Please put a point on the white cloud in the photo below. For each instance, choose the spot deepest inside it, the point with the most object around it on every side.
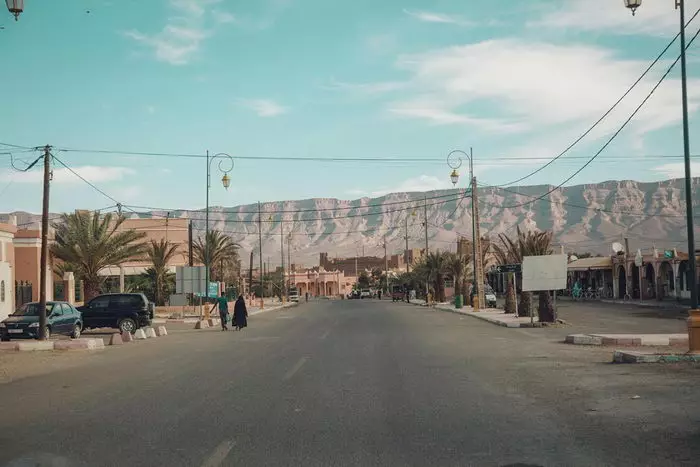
(430, 17)
(421, 183)
(533, 84)
(677, 169)
(380, 87)
(94, 174)
(181, 38)
(223, 17)
(656, 17)
(264, 107)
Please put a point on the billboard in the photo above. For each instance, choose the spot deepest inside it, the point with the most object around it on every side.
(547, 272)
(190, 279)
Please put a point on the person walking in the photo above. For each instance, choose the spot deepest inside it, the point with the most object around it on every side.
(222, 303)
(240, 314)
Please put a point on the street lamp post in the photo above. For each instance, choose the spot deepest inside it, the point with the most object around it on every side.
(454, 160)
(695, 315)
(225, 166)
(16, 7)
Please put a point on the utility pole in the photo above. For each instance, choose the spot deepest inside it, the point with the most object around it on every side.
(262, 286)
(190, 252)
(250, 271)
(289, 257)
(405, 255)
(167, 218)
(386, 266)
(425, 223)
(478, 266)
(284, 283)
(44, 243)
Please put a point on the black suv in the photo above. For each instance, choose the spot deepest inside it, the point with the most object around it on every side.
(126, 311)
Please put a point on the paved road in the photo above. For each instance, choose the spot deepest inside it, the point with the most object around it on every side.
(355, 383)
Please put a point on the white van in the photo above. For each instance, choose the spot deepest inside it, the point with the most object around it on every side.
(293, 294)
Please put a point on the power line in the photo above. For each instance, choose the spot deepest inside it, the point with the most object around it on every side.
(610, 140)
(85, 180)
(656, 60)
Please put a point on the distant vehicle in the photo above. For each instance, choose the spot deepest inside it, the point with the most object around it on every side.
(293, 294)
(61, 318)
(397, 293)
(366, 293)
(489, 296)
(125, 311)
(355, 294)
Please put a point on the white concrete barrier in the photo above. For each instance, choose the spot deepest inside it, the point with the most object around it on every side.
(127, 337)
(12, 346)
(201, 324)
(116, 339)
(79, 344)
(161, 331)
(139, 334)
(150, 332)
(30, 346)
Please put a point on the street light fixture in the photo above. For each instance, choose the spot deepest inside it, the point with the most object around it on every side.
(633, 5)
(454, 160)
(694, 320)
(15, 7)
(225, 166)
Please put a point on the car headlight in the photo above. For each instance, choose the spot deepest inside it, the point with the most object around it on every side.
(33, 325)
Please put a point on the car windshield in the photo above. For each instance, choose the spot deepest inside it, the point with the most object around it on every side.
(32, 309)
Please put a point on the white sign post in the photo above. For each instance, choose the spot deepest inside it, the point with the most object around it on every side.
(544, 273)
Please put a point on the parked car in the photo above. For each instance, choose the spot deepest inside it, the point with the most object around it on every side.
(293, 294)
(397, 293)
(366, 293)
(61, 318)
(489, 296)
(126, 311)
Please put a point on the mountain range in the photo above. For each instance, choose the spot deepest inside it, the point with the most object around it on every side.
(584, 218)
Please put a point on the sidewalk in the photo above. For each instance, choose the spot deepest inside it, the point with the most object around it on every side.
(652, 340)
(491, 315)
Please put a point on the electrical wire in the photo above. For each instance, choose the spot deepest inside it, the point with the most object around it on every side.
(85, 180)
(605, 115)
(610, 140)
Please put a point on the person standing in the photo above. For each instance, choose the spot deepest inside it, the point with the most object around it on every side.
(240, 313)
(222, 303)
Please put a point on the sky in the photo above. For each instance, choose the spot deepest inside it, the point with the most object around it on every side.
(517, 81)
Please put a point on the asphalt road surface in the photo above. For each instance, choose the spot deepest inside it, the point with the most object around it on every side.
(353, 383)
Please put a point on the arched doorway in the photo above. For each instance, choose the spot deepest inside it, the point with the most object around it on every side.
(683, 285)
(635, 282)
(650, 279)
(666, 280)
(622, 282)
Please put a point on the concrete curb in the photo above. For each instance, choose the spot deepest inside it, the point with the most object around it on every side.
(480, 316)
(175, 321)
(116, 339)
(620, 356)
(44, 346)
(658, 340)
(161, 331)
(139, 334)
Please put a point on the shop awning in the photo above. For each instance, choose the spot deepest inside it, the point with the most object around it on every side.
(591, 264)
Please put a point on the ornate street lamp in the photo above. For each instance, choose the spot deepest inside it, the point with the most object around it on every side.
(225, 165)
(633, 5)
(454, 176)
(15, 7)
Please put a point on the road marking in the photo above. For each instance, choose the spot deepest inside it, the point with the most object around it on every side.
(217, 457)
(325, 334)
(294, 369)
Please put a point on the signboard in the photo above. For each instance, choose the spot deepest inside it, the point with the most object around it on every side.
(190, 279)
(547, 272)
(508, 268)
(638, 260)
(669, 254)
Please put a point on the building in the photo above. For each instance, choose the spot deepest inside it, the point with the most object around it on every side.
(663, 274)
(7, 270)
(321, 283)
(355, 265)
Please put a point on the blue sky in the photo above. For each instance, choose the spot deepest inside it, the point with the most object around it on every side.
(517, 81)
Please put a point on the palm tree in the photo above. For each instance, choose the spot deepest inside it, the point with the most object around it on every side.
(458, 266)
(434, 268)
(88, 242)
(160, 253)
(529, 243)
(223, 251)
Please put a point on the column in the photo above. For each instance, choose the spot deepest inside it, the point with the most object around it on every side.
(69, 287)
(121, 279)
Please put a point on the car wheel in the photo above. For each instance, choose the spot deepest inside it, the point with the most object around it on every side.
(76, 331)
(127, 325)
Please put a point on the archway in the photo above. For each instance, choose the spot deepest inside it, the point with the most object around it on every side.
(666, 280)
(622, 282)
(635, 282)
(683, 285)
(650, 281)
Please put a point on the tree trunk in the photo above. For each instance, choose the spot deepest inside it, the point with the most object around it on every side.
(525, 303)
(545, 311)
(458, 286)
(510, 298)
(92, 289)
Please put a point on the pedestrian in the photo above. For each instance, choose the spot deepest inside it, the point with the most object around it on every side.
(307, 296)
(379, 294)
(240, 313)
(222, 303)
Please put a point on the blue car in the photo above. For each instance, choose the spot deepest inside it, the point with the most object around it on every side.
(61, 318)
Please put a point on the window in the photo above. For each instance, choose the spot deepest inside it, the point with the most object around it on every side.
(127, 301)
(56, 311)
(100, 303)
(2, 291)
(66, 309)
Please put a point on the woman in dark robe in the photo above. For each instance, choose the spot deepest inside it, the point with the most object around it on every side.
(240, 313)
